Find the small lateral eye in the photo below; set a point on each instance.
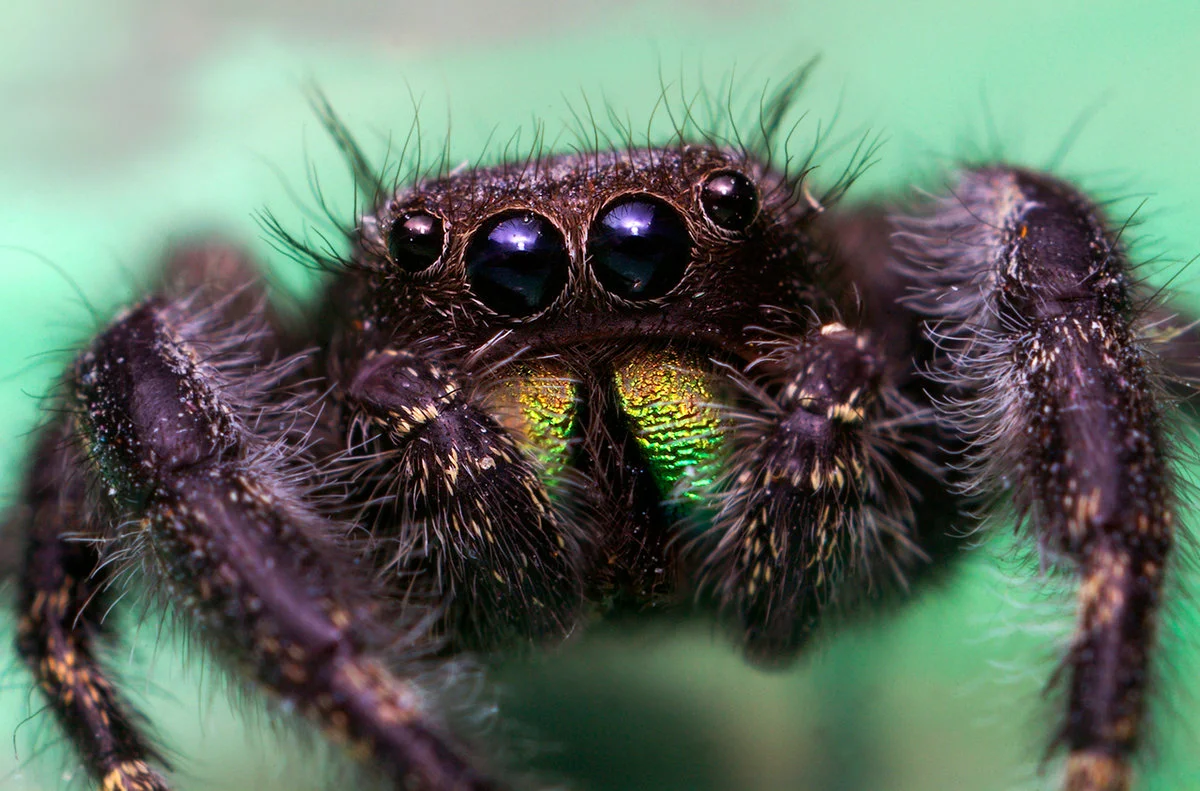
(517, 263)
(729, 200)
(415, 240)
(639, 247)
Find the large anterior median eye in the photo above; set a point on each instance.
(639, 247)
(517, 263)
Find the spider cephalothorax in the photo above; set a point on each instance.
(539, 394)
(593, 307)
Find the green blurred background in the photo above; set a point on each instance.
(131, 122)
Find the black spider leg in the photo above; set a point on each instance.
(62, 597)
(209, 507)
(62, 602)
(804, 506)
(1052, 385)
(502, 557)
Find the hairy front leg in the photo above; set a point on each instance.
(62, 599)
(159, 468)
(63, 585)
(226, 529)
(1033, 308)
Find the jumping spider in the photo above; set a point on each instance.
(555, 390)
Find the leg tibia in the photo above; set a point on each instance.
(264, 579)
(1050, 382)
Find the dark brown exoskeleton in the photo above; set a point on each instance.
(547, 392)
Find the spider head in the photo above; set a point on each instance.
(585, 250)
(588, 303)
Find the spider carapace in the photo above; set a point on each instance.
(543, 392)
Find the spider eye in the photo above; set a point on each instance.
(517, 263)
(415, 240)
(639, 247)
(729, 200)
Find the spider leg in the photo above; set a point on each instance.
(807, 505)
(1046, 375)
(61, 602)
(264, 576)
(169, 446)
(62, 595)
(502, 554)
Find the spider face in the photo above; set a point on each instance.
(576, 250)
(540, 394)
(591, 302)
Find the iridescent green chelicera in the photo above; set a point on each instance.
(542, 407)
(671, 407)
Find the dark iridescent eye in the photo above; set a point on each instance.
(729, 200)
(517, 263)
(639, 247)
(415, 240)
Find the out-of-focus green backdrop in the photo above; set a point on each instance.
(131, 122)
